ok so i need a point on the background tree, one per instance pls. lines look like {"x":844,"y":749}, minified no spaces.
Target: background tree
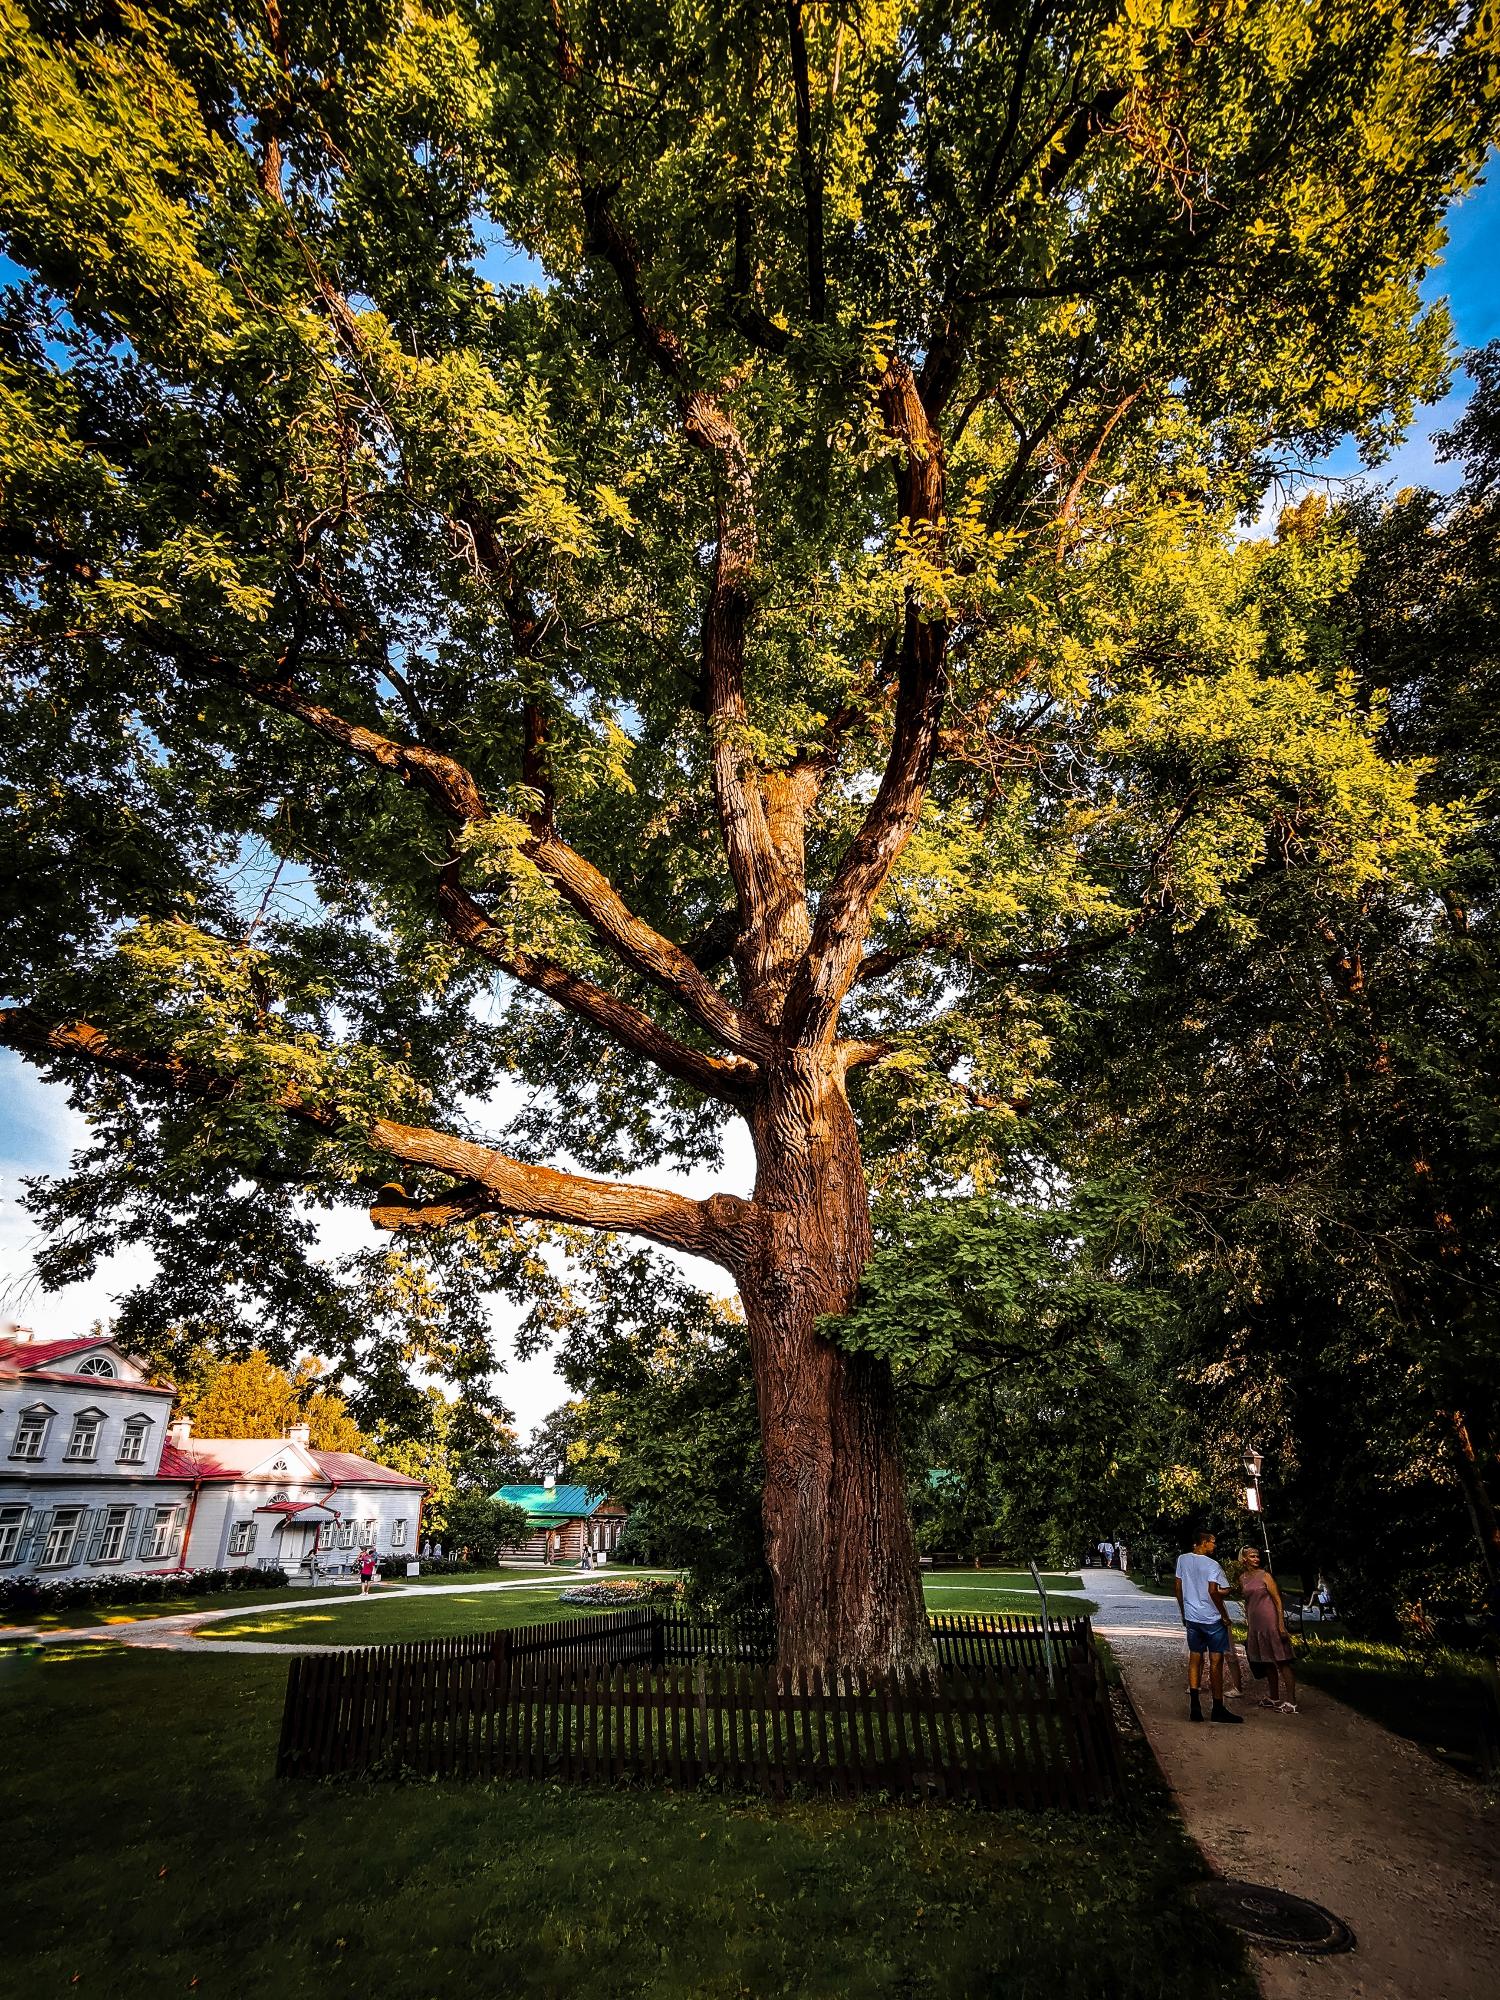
{"x":667,"y":1425}
{"x":486,"y":1527}
{"x":1036,"y":1370}
{"x":452,"y":1451}
{"x":651,"y":676}
{"x":253,"y":1398}
{"x":1307,"y":1076}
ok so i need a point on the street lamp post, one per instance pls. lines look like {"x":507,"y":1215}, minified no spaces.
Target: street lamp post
{"x":1252,"y":1463}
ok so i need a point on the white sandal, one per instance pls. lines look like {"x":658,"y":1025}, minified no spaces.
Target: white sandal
{"x":1287,"y":1707}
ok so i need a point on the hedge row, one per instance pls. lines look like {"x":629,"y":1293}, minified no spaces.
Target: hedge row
{"x":30,"y":1594}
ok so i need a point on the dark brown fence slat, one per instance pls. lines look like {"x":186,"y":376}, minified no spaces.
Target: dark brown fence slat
{"x":659,"y":1695}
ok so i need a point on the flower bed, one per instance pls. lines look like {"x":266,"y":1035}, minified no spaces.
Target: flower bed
{"x":25,"y":1596}
{"x":615,"y":1594}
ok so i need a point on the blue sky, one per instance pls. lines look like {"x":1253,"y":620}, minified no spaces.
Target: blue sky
{"x":38,"y":1130}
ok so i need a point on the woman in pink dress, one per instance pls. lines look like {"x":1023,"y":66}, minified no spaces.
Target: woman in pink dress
{"x":1268,"y":1646}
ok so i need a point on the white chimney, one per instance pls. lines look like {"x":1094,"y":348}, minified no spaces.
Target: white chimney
{"x":299,"y":1434}
{"x":12,"y":1329}
{"x":549,"y":1484}
{"x":179,"y":1431}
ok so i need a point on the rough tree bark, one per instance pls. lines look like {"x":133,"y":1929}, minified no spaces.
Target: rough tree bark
{"x":838,"y":1539}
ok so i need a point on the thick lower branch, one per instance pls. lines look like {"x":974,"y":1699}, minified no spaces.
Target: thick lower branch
{"x":490,"y":1181}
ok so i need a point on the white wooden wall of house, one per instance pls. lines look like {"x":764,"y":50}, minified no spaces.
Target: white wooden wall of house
{"x":108,"y":1509}
{"x":222,"y":1507}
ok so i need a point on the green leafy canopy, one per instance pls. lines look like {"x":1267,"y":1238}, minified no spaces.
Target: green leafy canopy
{"x":303,"y":508}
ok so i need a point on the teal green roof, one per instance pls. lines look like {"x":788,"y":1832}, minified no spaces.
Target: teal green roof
{"x":552,"y":1503}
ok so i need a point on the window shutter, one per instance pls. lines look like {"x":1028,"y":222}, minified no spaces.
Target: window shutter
{"x":132,"y":1534}
{"x":83,"y":1529}
{"x":174,"y":1540}
{"x":26,"y":1537}
{"x":95,"y":1547}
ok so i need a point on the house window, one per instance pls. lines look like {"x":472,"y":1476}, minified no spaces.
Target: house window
{"x":398,"y":1534}
{"x":12,"y":1521}
{"x":156,"y":1542}
{"x":31,"y":1432}
{"x":367,"y":1535}
{"x":97,"y":1364}
{"x":84,"y":1443}
{"x":57,"y":1551}
{"x":346,"y":1534}
{"x":242,"y":1538}
{"x":112,"y":1539}
{"x":133,"y":1441}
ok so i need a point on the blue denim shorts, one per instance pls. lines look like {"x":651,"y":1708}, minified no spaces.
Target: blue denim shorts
{"x":1207,"y":1638}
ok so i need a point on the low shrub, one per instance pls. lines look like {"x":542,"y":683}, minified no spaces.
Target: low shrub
{"x":32,"y":1595}
{"x":390,"y":1567}
{"x":622,"y":1591}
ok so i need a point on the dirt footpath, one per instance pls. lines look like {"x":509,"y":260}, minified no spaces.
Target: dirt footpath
{"x":1328,"y":1805}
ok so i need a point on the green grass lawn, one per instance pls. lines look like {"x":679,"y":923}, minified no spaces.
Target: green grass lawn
{"x":1004,"y":1590}
{"x":151,"y":1852}
{"x":86,"y":1617}
{"x":1439,"y":1698}
{"x":387,"y":1621}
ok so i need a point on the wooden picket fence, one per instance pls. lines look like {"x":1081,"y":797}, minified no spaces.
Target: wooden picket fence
{"x":602,"y":1699}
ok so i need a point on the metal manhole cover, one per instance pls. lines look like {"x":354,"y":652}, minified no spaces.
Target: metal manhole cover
{"x":1273,"y":1918}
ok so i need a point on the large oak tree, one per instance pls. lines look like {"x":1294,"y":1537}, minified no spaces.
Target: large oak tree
{"x":652,"y":670}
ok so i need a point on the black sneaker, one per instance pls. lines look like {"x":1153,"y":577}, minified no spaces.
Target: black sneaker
{"x":1219,"y":1713}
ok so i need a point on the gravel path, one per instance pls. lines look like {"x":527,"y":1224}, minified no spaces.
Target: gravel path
{"x":1328,"y":1805}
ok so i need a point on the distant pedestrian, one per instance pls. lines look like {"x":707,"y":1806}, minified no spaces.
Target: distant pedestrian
{"x":1268,"y":1644}
{"x":426,"y":1551}
{"x":437,"y":1552}
{"x":366,"y":1571}
{"x":1201,"y":1589}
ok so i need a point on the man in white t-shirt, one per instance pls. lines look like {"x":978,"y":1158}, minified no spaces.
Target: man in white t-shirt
{"x":1201,"y":1590}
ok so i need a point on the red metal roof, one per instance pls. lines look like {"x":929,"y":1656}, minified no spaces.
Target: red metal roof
{"x":24,"y":1355}
{"x":105,"y":1384}
{"x":343,"y":1468}
{"x":349,"y":1469}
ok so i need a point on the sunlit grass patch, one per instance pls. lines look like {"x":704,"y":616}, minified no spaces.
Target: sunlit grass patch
{"x":390,"y":1620}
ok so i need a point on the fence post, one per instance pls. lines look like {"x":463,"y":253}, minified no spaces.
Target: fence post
{"x":658,"y":1638}
{"x":1036,"y":1577}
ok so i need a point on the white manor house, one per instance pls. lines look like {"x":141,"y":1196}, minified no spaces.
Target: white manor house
{"x":95,"y":1477}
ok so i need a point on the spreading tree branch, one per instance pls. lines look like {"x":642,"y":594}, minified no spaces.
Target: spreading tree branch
{"x":844,"y":914}
{"x":456,"y":792}
{"x":490,"y":1182}
{"x":808,"y":165}
{"x":771,"y":894}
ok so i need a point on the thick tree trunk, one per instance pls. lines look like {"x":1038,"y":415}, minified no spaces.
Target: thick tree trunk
{"x":838,"y":1537}
{"x":1480,"y":1501}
